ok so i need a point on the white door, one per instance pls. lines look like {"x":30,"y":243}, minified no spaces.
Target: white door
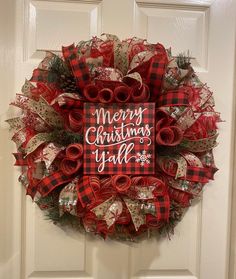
{"x":31,"y":247}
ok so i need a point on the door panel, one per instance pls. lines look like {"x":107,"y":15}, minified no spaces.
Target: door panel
{"x":199,"y":248}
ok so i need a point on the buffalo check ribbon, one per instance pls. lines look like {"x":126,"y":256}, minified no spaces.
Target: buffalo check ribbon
{"x":49,"y":183}
{"x":178,"y":97}
{"x":157,"y":71}
{"x":31,"y":190}
{"x":197,"y":174}
{"x":162,"y":205}
{"x":78,"y":65}
{"x":40,"y":75}
{"x":85,"y":191}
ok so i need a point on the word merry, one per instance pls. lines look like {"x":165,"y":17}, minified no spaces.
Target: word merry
{"x":105,"y":116}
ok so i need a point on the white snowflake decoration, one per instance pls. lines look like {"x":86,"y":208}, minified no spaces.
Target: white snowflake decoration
{"x":143,"y":158}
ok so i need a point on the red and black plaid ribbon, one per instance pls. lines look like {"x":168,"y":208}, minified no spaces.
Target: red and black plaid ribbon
{"x":68,"y":51}
{"x":40,"y":75}
{"x":31,"y":190}
{"x":162,"y":205}
{"x":85,"y":191}
{"x":78,"y":66}
{"x":49,"y":183}
{"x":156,"y":72}
{"x":211,"y":171}
{"x":20,"y":160}
{"x":197,"y":174}
{"x":178,"y":97}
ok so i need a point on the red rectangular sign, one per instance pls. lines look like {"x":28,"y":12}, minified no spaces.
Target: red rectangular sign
{"x":119,"y":138}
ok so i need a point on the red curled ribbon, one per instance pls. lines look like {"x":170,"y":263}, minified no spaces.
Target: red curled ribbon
{"x":180,"y":197}
{"x":152,"y":221}
{"x":76,"y":120}
{"x":90,"y":221}
{"x":138,"y":181}
{"x":105,"y":95}
{"x":20,"y":160}
{"x":69,"y":167}
{"x":121,"y":182}
{"x":163,"y":122}
{"x":160,"y":186}
{"x":122,"y":94}
{"x":74,"y":151}
{"x":140,"y":95}
{"x":169,"y":136}
{"x":91,"y":93}
{"x":95,"y":183}
{"x":69,"y":103}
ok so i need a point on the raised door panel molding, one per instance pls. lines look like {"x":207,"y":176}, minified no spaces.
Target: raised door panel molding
{"x":182,"y":251}
{"x":183,"y":28}
{"x":51,"y":24}
{"x":50,"y":251}
{"x":204,"y":3}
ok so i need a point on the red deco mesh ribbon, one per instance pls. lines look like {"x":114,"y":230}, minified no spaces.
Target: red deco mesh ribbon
{"x":91,"y":93}
{"x":180,"y":197}
{"x":69,"y":103}
{"x":75,"y":120}
{"x":122,"y":94}
{"x":20,"y":160}
{"x":74,"y":151}
{"x":169,"y":136}
{"x":78,"y":65}
{"x":69,"y":166}
{"x":121,"y":182}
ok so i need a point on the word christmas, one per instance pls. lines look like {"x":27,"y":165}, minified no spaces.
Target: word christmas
{"x":119,"y":138}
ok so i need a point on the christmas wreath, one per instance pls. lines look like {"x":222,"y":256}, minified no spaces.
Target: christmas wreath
{"x":115,"y":137}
